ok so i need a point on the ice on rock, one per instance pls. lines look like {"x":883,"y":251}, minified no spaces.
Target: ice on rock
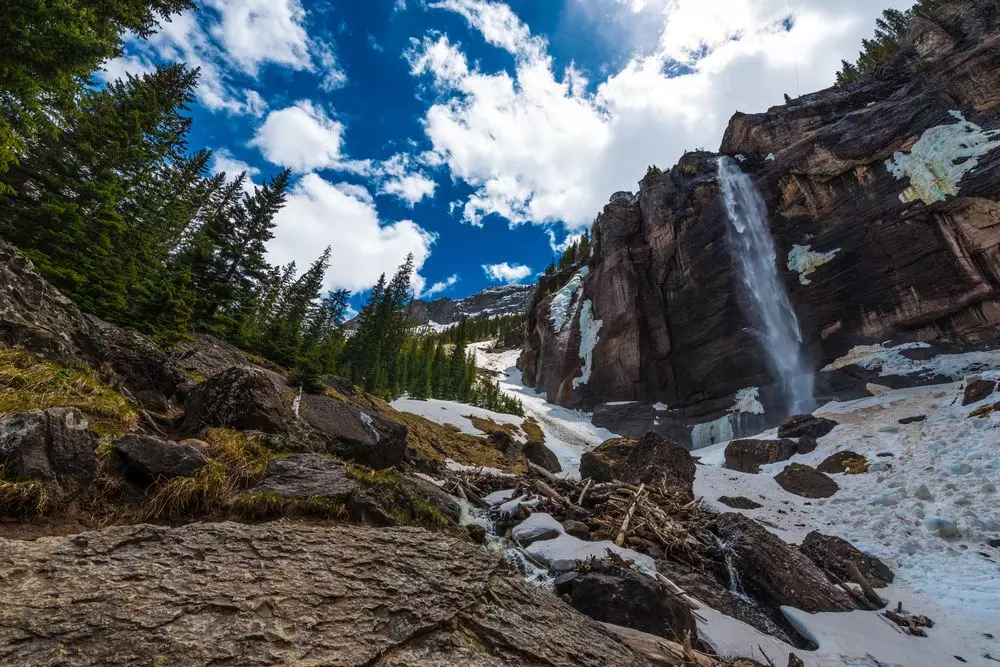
{"x":510,"y":508}
{"x":535,"y":527}
{"x":498,"y":497}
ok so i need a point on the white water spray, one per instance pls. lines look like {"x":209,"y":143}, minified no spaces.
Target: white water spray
{"x":772,"y":312}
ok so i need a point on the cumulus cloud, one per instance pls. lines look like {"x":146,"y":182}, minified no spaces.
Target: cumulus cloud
{"x":507,"y":273}
{"x":301,"y":137}
{"x":440,"y":286}
{"x":320,"y":212}
{"x":541,"y":145}
{"x":402,"y":178}
{"x":258,"y":31}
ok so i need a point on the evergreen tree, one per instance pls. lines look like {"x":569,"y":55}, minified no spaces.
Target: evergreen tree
{"x":49,"y":50}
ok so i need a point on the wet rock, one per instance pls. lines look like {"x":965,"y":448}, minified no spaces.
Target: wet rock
{"x":353,"y":432}
{"x":149,"y":459}
{"x":844,"y":461}
{"x":977,"y":390}
{"x":563,"y":583}
{"x":809,"y":426}
{"x":607,"y":461}
{"x":739,"y":502}
{"x":540,"y":455}
{"x":242,"y":398}
{"x":913,"y":420}
{"x":476,"y":532}
{"x":656,"y":459}
{"x":774,"y":572}
{"x":833,"y":554}
{"x":55,"y":445}
{"x":749,"y":455}
{"x":260,"y":592}
{"x":806,"y":482}
{"x":635,"y":601}
{"x":427,"y":492}
{"x":577,"y":529}
{"x":536,"y":528}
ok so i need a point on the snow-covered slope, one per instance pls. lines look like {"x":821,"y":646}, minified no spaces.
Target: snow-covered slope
{"x":928,"y":507}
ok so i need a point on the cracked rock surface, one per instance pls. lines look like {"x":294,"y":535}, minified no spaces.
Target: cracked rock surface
{"x":281,"y":593}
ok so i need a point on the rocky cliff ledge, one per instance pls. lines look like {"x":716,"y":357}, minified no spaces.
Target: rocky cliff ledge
{"x":884,"y":198}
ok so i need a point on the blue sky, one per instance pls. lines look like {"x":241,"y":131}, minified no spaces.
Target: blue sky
{"x":478,"y":134}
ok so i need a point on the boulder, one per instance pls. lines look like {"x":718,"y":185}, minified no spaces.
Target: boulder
{"x":843,"y":461}
{"x":634,"y":601}
{"x":536,"y":528}
{"x":476,"y":532}
{"x":775,"y":573}
{"x":577,"y":529}
{"x":242,"y":398}
{"x":427,"y":492}
{"x":806,"y":426}
{"x":149,"y":459}
{"x":656,"y":459}
{"x":977,"y":390}
{"x":55,"y":445}
{"x":308,"y":476}
{"x":540,"y":455}
{"x":606,"y":462}
{"x":355,"y":433}
{"x":402,"y":596}
{"x":806,"y":482}
{"x":749,"y":455}
{"x":739,"y":502}
{"x":833,"y":554}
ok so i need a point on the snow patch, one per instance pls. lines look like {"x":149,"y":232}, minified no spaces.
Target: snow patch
{"x":589,"y":330}
{"x":770,"y":157}
{"x":891,"y":361}
{"x":535,"y":526}
{"x":564,"y":552}
{"x":941,"y":158}
{"x":804,"y":261}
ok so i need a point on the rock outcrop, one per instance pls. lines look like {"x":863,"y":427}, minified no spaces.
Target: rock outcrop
{"x":282,"y":594}
{"x":750,"y":455}
{"x":805,"y":481}
{"x":660,"y":461}
{"x":607,"y":461}
{"x":241,"y":397}
{"x":349,"y":431}
{"x":55,"y":445}
{"x":149,"y":459}
{"x":833,"y":554}
{"x":883,"y":203}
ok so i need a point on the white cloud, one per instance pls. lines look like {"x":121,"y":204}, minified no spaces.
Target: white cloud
{"x":402,"y":179}
{"x":333,"y":75}
{"x":258,"y":31}
{"x":560,"y":248}
{"x":223,"y":161}
{"x":255,"y":104}
{"x":440,"y":286}
{"x":537,"y":145}
{"x":319,"y":212}
{"x":301,"y":137}
{"x":117,"y":68}
{"x":507,"y":273}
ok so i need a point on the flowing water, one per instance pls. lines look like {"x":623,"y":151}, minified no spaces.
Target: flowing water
{"x":772,"y":313}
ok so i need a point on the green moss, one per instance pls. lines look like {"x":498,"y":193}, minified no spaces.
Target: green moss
{"x":425,"y":514}
{"x":374,"y":477}
{"x":29,"y":383}
{"x":321,"y":507}
{"x":258,"y":505}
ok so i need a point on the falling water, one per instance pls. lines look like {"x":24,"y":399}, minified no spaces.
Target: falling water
{"x":772,"y":311}
{"x":735,"y":584}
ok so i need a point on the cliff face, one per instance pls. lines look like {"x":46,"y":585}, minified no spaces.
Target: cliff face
{"x":884,"y":204}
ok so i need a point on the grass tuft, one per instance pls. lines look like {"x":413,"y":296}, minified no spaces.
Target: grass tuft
{"x":264,"y":505}
{"x":30,"y":383}
{"x":244,"y":457}
{"x":182,"y":497}
{"x":24,"y":499}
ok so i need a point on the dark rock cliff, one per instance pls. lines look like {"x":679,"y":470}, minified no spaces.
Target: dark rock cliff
{"x":884,"y":204}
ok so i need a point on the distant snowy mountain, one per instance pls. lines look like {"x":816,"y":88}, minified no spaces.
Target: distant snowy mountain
{"x":442,"y":313}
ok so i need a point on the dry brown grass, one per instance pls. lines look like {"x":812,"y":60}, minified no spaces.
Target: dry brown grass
{"x":489,"y":427}
{"x":533,"y":431}
{"x":435,"y":442}
{"x":30,"y":383}
{"x":24,"y":499}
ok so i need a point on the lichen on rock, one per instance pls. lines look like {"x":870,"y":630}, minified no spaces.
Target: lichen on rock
{"x":804,"y":261}
{"x":941,"y":158}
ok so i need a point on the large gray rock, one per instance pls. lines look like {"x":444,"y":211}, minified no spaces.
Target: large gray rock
{"x":351,"y":432}
{"x":540,"y":455}
{"x":149,"y":459}
{"x":750,"y":455}
{"x":806,"y":482}
{"x":806,"y":426}
{"x":656,"y":459}
{"x":55,"y":445}
{"x":280,"y":593}
{"x":775,"y":573}
{"x":607,"y":461}
{"x":634,"y":601}
{"x":242,"y":398}
{"x":833,"y":554}
{"x":308,"y":476}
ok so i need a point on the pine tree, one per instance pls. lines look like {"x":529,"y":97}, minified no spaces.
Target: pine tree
{"x":48,"y":51}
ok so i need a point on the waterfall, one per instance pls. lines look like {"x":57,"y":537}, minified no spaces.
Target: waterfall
{"x":772,"y":312}
{"x":735,"y":584}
